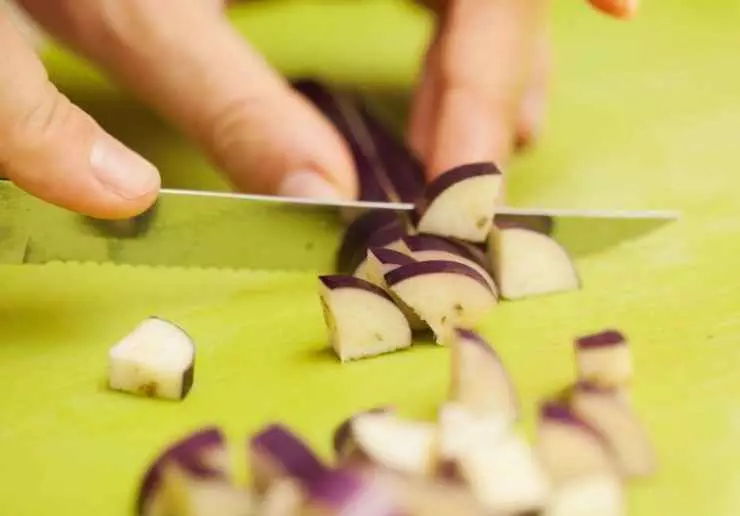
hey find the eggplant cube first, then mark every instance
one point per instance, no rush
(608, 412)
(157, 360)
(506, 476)
(601, 495)
(445, 294)
(479, 379)
(363, 320)
(429, 247)
(527, 263)
(276, 453)
(569, 447)
(386, 440)
(604, 358)
(199, 458)
(461, 202)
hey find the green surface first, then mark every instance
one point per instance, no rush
(643, 115)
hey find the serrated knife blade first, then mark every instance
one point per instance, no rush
(188, 228)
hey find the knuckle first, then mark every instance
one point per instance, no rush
(50, 118)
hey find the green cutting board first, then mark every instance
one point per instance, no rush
(644, 115)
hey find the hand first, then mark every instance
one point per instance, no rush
(223, 95)
(483, 88)
(183, 58)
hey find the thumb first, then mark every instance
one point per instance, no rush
(218, 90)
(55, 151)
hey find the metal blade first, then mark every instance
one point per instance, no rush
(229, 230)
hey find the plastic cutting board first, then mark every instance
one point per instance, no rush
(644, 114)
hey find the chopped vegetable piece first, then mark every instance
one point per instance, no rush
(157, 360)
(199, 456)
(461, 202)
(480, 381)
(460, 431)
(505, 475)
(526, 263)
(569, 447)
(597, 495)
(374, 228)
(348, 492)
(444, 293)
(362, 319)
(276, 453)
(284, 497)
(604, 358)
(384, 439)
(379, 262)
(608, 412)
(427, 247)
(342, 442)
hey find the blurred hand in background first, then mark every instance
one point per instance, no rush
(481, 94)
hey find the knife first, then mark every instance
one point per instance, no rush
(188, 228)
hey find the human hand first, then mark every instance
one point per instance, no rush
(220, 92)
(214, 87)
(483, 89)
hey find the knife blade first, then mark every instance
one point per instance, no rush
(188, 228)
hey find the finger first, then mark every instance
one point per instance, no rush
(534, 103)
(187, 61)
(617, 8)
(55, 151)
(424, 103)
(483, 68)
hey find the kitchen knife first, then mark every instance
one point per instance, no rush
(229, 230)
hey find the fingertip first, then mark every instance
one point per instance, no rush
(621, 9)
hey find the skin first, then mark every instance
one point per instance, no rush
(223, 95)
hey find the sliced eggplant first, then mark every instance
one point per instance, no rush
(200, 457)
(362, 319)
(604, 358)
(428, 247)
(527, 263)
(608, 412)
(276, 453)
(156, 360)
(480, 381)
(384, 439)
(461, 202)
(444, 293)
(505, 475)
(569, 447)
(596, 495)
(374, 228)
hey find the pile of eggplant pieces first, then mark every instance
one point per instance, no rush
(471, 459)
(445, 264)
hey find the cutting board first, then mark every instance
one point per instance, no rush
(644, 115)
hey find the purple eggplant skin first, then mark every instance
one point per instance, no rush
(433, 267)
(295, 458)
(188, 454)
(337, 281)
(426, 242)
(448, 179)
(561, 413)
(403, 168)
(604, 339)
(391, 257)
(374, 228)
(387, 170)
(475, 339)
(344, 431)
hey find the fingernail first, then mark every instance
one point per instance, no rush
(306, 183)
(122, 170)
